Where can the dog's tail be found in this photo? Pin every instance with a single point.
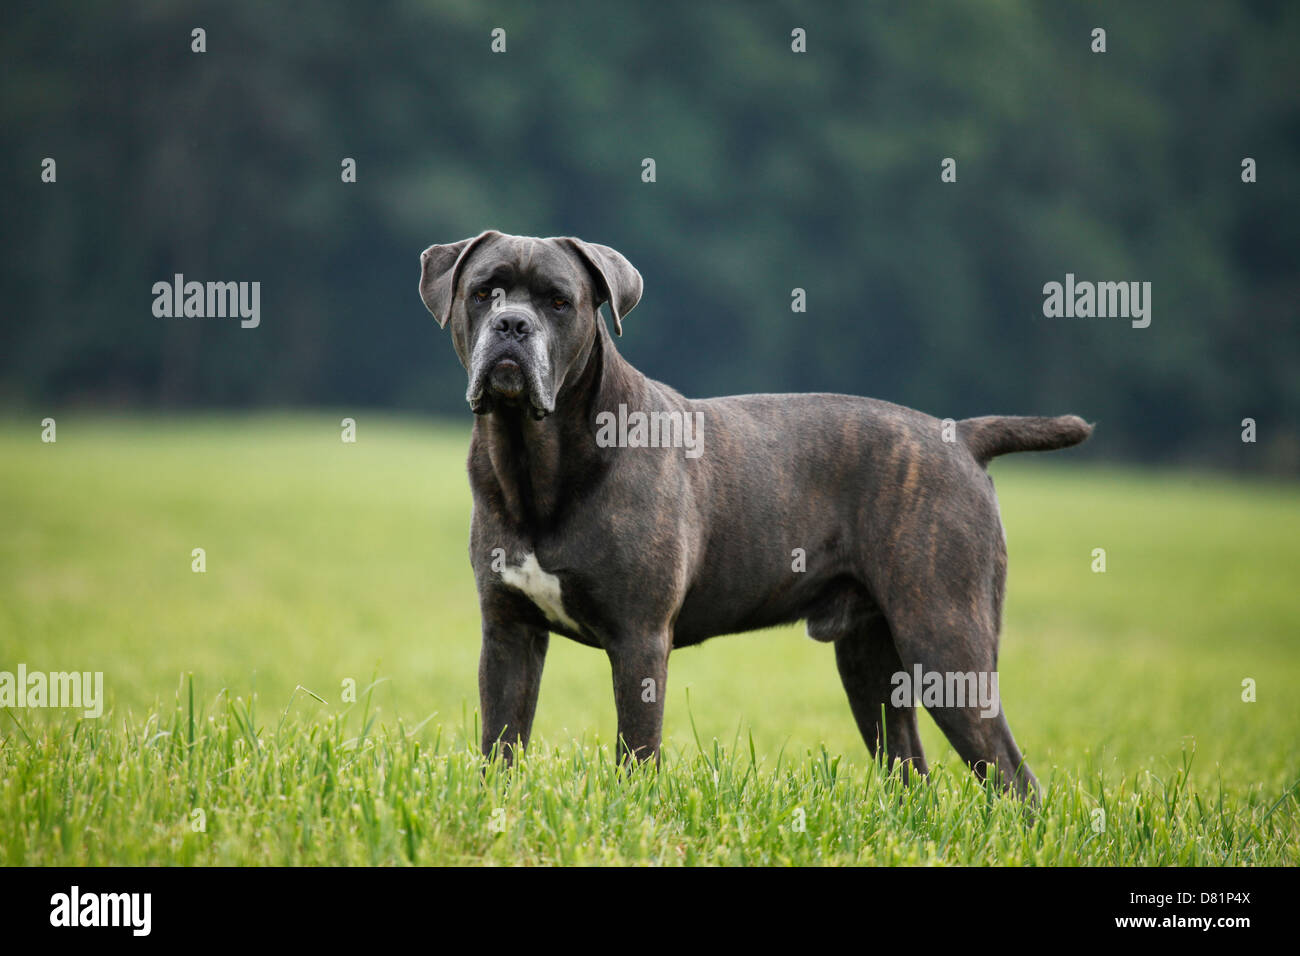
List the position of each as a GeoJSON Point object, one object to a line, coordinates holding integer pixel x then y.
{"type": "Point", "coordinates": [995, 435]}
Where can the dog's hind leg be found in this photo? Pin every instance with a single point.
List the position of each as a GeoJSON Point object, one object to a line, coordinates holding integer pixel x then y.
{"type": "Point", "coordinates": [988, 747]}
{"type": "Point", "coordinates": [969, 710]}
{"type": "Point", "coordinates": [867, 662]}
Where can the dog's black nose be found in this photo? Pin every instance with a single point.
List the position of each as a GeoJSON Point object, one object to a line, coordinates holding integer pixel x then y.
{"type": "Point", "coordinates": [517, 324]}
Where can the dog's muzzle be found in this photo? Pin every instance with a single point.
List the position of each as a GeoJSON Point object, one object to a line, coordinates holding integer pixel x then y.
{"type": "Point", "coordinates": [510, 367]}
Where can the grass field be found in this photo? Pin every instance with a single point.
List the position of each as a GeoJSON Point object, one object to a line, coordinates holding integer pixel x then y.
{"type": "Point", "coordinates": [328, 561]}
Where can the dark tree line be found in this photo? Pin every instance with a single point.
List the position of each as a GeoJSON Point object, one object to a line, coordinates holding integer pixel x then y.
{"type": "Point", "coordinates": [774, 170]}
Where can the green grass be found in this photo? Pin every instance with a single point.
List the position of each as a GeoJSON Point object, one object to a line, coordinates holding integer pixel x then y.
{"type": "Point", "coordinates": [328, 561]}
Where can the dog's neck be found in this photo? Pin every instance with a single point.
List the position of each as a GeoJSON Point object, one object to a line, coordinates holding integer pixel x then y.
{"type": "Point", "coordinates": [533, 466]}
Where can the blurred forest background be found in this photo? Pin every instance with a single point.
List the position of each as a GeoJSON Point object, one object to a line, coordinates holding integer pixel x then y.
{"type": "Point", "coordinates": [775, 170]}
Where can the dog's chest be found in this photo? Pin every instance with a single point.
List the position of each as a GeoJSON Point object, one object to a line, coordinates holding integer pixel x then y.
{"type": "Point", "coordinates": [541, 587]}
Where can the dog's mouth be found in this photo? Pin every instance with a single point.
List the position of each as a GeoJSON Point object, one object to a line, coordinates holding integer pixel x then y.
{"type": "Point", "coordinates": [506, 381]}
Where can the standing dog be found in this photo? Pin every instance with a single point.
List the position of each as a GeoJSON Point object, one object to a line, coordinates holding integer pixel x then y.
{"type": "Point", "coordinates": [612, 510]}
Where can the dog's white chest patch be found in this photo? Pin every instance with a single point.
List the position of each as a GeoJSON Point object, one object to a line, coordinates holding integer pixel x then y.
{"type": "Point", "coordinates": [542, 588]}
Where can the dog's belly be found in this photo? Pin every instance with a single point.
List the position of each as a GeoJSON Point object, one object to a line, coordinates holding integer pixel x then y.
{"type": "Point", "coordinates": [832, 605]}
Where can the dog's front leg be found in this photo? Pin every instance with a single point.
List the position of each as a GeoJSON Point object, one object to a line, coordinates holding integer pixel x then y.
{"type": "Point", "coordinates": [509, 677]}
{"type": "Point", "coordinates": [640, 668]}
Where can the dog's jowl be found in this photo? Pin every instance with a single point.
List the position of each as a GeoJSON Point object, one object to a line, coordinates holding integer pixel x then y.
{"type": "Point", "coordinates": [636, 547]}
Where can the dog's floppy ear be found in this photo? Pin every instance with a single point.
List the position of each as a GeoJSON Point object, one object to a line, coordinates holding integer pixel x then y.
{"type": "Point", "coordinates": [439, 268]}
{"type": "Point", "coordinates": [621, 282]}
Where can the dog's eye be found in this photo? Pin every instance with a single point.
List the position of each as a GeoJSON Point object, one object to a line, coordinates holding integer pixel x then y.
{"type": "Point", "coordinates": [559, 303]}
{"type": "Point", "coordinates": [481, 295]}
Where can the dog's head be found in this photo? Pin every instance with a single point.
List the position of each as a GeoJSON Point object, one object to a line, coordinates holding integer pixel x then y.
{"type": "Point", "coordinates": [524, 312]}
